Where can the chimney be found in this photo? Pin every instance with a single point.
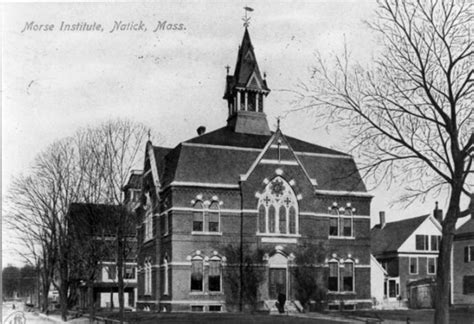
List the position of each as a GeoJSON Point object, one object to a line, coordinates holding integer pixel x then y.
{"type": "Point", "coordinates": [438, 213]}
{"type": "Point", "coordinates": [201, 130]}
{"type": "Point", "coordinates": [382, 219]}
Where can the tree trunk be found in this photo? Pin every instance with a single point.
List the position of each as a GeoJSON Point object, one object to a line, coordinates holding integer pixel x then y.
{"type": "Point", "coordinates": [120, 252]}
{"type": "Point", "coordinates": [63, 287]}
{"type": "Point", "coordinates": [443, 276]}
{"type": "Point", "coordinates": [90, 293]}
{"type": "Point", "coordinates": [45, 290]}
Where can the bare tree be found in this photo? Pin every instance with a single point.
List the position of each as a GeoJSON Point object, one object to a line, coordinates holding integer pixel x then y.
{"type": "Point", "coordinates": [89, 167]}
{"type": "Point", "coordinates": [410, 115]}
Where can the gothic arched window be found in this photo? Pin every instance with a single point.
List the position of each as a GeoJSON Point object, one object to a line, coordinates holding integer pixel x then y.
{"type": "Point", "coordinates": [278, 209]}
{"type": "Point", "coordinates": [198, 217]}
{"type": "Point", "coordinates": [341, 222]}
{"type": "Point", "coordinates": [214, 217]}
{"type": "Point", "coordinates": [196, 273]}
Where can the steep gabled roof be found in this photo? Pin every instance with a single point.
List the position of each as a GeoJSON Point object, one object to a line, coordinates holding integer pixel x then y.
{"type": "Point", "coordinates": [247, 65]}
{"type": "Point", "coordinates": [95, 219]}
{"type": "Point", "coordinates": [225, 136]}
{"type": "Point", "coordinates": [466, 230]}
{"type": "Point", "coordinates": [221, 156]}
{"type": "Point", "coordinates": [392, 235]}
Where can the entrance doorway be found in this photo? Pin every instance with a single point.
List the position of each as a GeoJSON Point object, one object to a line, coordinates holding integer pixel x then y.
{"type": "Point", "coordinates": [393, 288]}
{"type": "Point", "coordinates": [277, 283]}
{"type": "Point", "coordinates": [278, 276]}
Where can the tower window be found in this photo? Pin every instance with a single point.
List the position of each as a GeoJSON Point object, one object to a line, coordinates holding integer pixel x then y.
{"type": "Point", "coordinates": [260, 102]}
{"type": "Point", "coordinates": [251, 101]}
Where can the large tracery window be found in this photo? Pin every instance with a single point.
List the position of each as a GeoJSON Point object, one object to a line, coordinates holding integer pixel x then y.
{"type": "Point", "coordinates": [278, 209]}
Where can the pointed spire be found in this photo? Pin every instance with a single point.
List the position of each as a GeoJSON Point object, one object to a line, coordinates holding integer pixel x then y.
{"type": "Point", "coordinates": [246, 90]}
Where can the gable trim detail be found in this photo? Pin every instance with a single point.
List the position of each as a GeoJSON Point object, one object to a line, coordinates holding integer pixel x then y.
{"type": "Point", "coordinates": [344, 193]}
{"type": "Point", "coordinates": [251, 149]}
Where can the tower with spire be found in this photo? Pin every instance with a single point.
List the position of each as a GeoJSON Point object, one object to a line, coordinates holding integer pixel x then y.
{"type": "Point", "coordinates": [245, 93]}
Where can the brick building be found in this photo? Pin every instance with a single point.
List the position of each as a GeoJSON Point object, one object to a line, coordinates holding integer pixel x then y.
{"type": "Point", "coordinates": [243, 206]}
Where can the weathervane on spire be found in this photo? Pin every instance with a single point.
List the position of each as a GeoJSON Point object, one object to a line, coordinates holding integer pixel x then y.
{"type": "Point", "coordinates": [246, 19]}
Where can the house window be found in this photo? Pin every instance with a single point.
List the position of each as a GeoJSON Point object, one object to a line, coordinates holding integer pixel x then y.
{"type": "Point", "coordinates": [196, 273]}
{"type": "Point", "coordinates": [129, 272]}
{"type": "Point", "coordinates": [435, 240]}
{"type": "Point", "coordinates": [215, 308]}
{"type": "Point", "coordinates": [278, 209]}
{"type": "Point", "coordinates": [341, 223]}
{"type": "Point", "coordinates": [111, 272]}
{"type": "Point", "coordinates": [148, 226]}
{"type": "Point", "coordinates": [198, 217]}
{"type": "Point", "coordinates": [422, 242]}
{"type": "Point", "coordinates": [469, 253]}
{"type": "Point", "coordinates": [214, 217]}
{"type": "Point", "coordinates": [197, 308]}
{"type": "Point", "coordinates": [413, 265]}
{"type": "Point", "coordinates": [333, 277]}
{"type": "Point", "coordinates": [468, 285]}
{"type": "Point", "coordinates": [431, 265]}
{"type": "Point", "coordinates": [348, 277]}
{"type": "Point", "coordinates": [166, 283]}
{"type": "Point", "coordinates": [215, 274]}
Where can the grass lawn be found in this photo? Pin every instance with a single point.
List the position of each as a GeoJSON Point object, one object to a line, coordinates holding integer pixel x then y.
{"type": "Point", "coordinates": [216, 318]}
{"type": "Point", "coordinates": [457, 316]}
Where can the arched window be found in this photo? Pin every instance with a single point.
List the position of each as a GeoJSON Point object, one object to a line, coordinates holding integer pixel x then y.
{"type": "Point", "coordinates": [282, 219]}
{"type": "Point", "coordinates": [292, 220]}
{"type": "Point", "coordinates": [348, 276]}
{"type": "Point", "coordinates": [261, 219]}
{"type": "Point", "coordinates": [198, 217]}
{"type": "Point", "coordinates": [196, 273]}
{"type": "Point", "coordinates": [271, 219]}
{"type": "Point", "coordinates": [278, 209]}
{"type": "Point", "coordinates": [215, 273]}
{"type": "Point", "coordinates": [166, 283]}
{"type": "Point", "coordinates": [334, 222]}
{"type": "Point", "coordinates": [214, 217]}
{"type": "Point", "coordinates": [341, 221]}
{"type": "Point", "coordinates": [347, 222]}
{"type": "Point", "coordinates": [333, 277]}
{"type": "Point", "coordinates": [147, 280]}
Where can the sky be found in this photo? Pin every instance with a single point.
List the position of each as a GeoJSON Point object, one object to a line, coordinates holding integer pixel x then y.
{"type": "Point", "coordinates": [56, 81]}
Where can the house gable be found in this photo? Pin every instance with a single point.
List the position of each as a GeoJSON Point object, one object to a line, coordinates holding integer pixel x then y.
{"type": "Point", "coordinates": [428, 227]}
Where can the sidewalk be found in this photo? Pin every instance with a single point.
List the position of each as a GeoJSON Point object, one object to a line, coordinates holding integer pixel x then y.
{"type": "Point", "coordinates": [57, 319]}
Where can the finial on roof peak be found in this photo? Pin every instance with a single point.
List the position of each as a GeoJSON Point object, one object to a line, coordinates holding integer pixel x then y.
{"type": "Point", "coordinates": [246, 19]}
